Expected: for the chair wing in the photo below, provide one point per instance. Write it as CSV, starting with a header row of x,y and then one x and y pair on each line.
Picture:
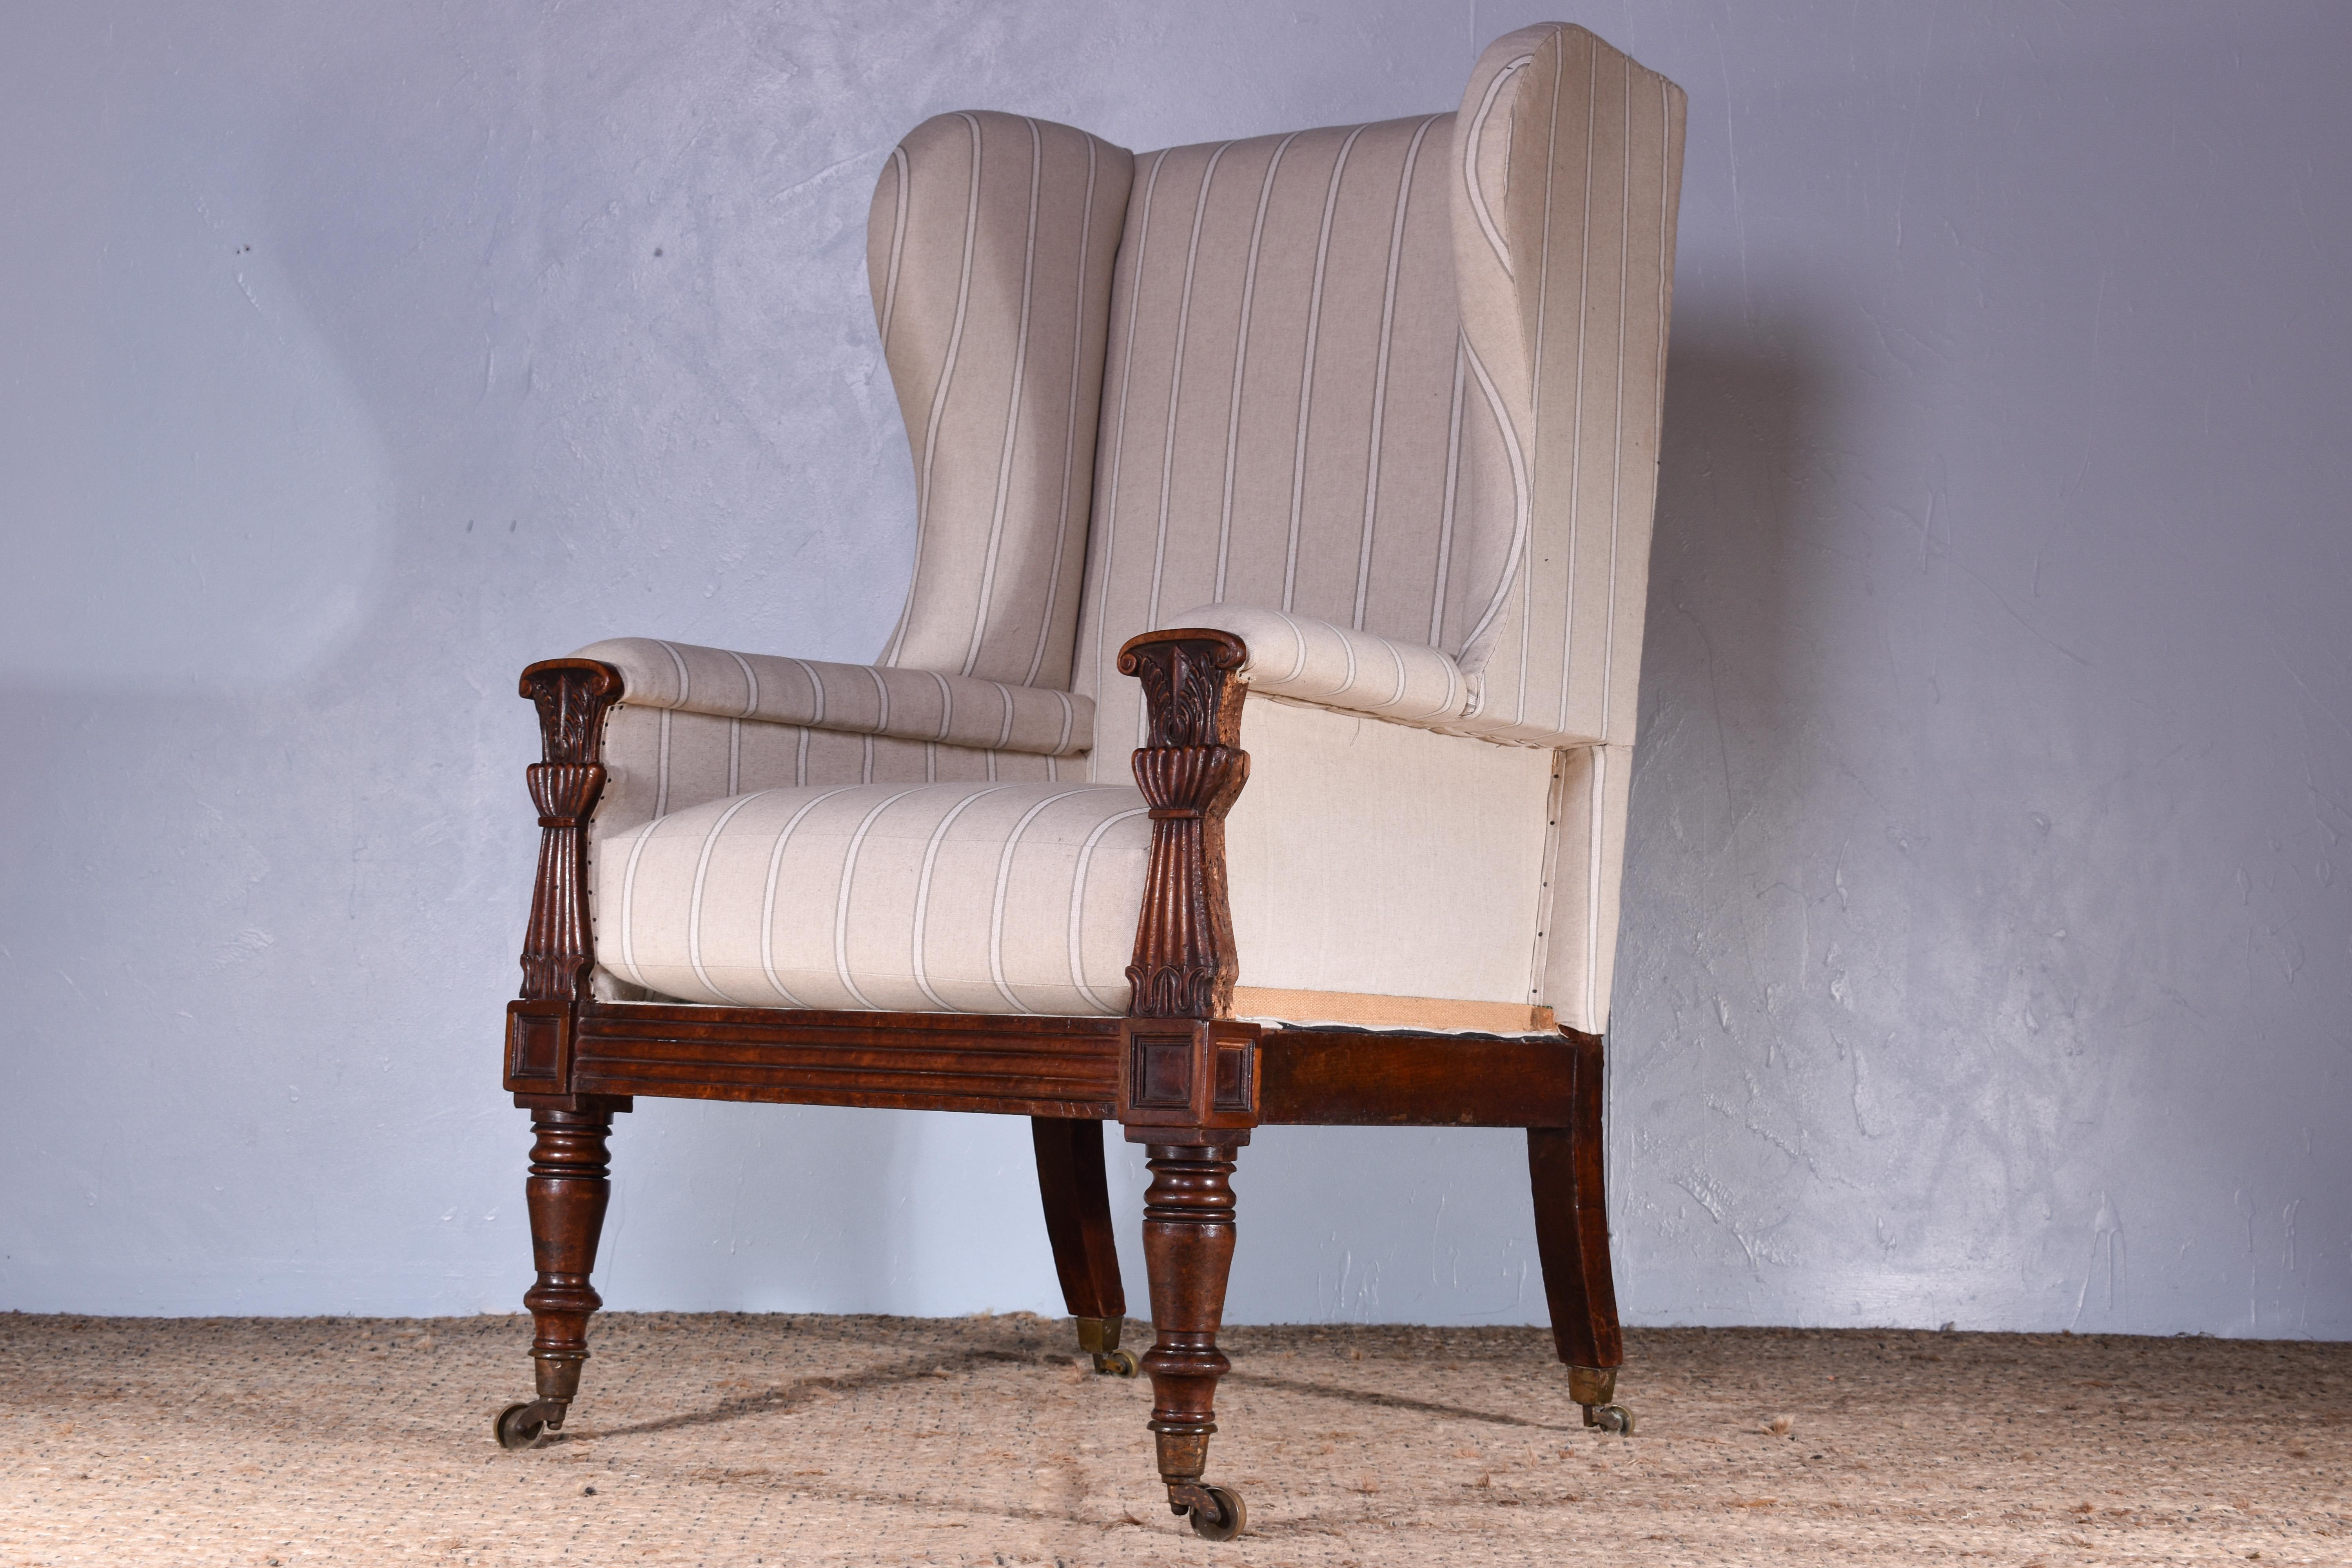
x,y
1567,169
989,250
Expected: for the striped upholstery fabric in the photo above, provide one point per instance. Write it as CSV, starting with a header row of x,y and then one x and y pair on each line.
x,y
1383,400
1335,666
1569,170
989,250
1010,897
661,760
860,698
1281,424
1404,378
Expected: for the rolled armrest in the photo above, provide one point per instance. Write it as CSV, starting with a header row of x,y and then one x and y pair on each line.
x,y
859,698
1330,665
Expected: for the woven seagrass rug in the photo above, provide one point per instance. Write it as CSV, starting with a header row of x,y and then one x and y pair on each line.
x,y
731,1439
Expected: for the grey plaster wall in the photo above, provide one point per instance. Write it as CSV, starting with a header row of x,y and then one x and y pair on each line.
x,y
1988,908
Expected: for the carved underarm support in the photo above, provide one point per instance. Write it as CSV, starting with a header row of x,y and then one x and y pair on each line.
x,y
557,952
1189,1071
573,696
1190,769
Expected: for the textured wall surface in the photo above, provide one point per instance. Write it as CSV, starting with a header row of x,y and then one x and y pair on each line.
x,y
1988,954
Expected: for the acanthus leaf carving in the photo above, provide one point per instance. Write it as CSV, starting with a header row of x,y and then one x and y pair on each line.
x,y
1190,688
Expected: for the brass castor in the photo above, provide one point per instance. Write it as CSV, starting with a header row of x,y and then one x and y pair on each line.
x,y
523,1425
1099,1337
1231,1517
1610,1418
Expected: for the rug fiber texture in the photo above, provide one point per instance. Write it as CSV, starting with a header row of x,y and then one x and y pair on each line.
x,y
728,1440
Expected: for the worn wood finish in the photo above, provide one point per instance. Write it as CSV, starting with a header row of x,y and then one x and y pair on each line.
x,y
921,1061
1071,1180
1188,1249
1190,768
1564,1167
1337,1078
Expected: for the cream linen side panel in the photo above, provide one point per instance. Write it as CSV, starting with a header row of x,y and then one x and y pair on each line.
x,y
1375,858
1588,866
1007,897
989,249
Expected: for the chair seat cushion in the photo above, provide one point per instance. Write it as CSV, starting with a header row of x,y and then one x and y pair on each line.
x,y
975,898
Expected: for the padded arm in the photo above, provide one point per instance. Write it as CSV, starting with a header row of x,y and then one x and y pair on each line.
x,y
1308,661
857,699
1330,665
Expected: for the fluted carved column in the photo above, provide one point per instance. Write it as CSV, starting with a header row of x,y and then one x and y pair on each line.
x,y
559,952
1190,768
573,696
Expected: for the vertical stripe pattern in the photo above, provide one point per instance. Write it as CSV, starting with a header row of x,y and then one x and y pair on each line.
x,y
1275,421
1565,198
990,249
1386,396
862,699
1403,378
659,761
924,897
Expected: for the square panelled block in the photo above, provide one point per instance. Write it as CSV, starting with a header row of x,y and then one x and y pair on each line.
x,y
1177,1073
538,1036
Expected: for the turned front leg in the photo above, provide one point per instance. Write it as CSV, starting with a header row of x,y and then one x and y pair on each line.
x,y
1188,1247
568,1191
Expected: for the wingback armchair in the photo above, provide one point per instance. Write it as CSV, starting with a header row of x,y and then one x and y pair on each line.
x,y
1254,745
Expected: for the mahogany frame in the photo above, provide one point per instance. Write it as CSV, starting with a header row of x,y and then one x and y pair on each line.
x,y
1180,1075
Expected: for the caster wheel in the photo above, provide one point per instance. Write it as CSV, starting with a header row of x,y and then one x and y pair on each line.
x,y
1612,1418
1232,1519
1116,1363
518,1426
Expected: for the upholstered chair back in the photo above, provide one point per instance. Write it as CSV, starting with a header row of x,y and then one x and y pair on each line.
x,y
1285,420
1404,378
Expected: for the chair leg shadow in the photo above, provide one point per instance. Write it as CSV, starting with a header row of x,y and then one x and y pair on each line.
x,y
1401,1401
791,1394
